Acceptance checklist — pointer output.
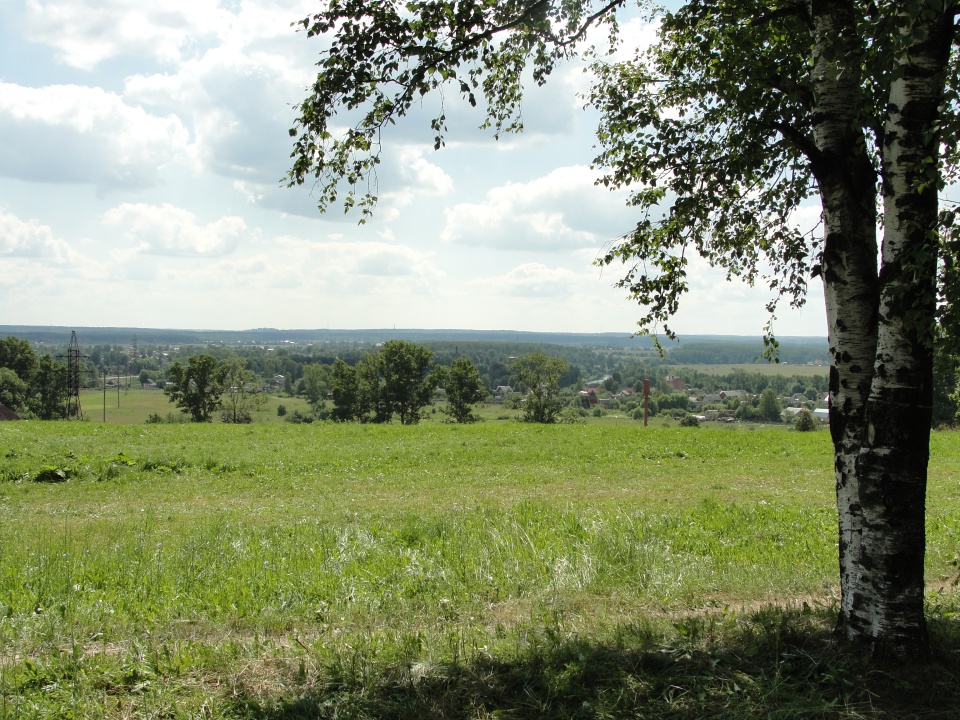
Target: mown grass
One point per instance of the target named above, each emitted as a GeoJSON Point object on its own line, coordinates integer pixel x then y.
{"type": "Point", "coordinates": [439, 571]}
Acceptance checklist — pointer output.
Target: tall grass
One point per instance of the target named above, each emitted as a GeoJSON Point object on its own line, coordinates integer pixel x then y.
{"type": "Point", "coordinates": [303, 571]}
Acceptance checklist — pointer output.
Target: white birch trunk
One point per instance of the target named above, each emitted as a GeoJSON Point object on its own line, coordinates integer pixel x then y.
{"type": "Point", "coordinates": [847, 182]}
{"type": "Point", "coordinates": [892, 467]}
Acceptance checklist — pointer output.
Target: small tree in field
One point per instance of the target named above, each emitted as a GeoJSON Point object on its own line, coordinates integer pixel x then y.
{"type": "Point", "coordinates": [770, 407]}
{"type": "Point", "coordinates": [372, 402]}
{"type": "Point", "coordinates": [689, 421]}
{"type": "Point", "coordinates": [196, 388]}
{"type": "Point", "coordinates": [408, 383]}
{"type": "Point", "coordinates": [345, 388]}
{"type": "Point", "coordinates": [316, 381]}
{"type": "Point", "coordinates": [463, 386]}
{"type": "Point", "coordinates": [541, 376]}
{"type": "Point", "coordinates": [240, 395]}
{"type": "Point", "coordinates": [805, 422]}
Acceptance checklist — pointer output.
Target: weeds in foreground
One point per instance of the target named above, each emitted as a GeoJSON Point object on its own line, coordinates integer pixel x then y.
{"type": "Point", "coordinates": [280, 573]}
{"type": "Point", "coordinates": [769, 663]}
{"type": "Point", "coordinates": [772, 663]}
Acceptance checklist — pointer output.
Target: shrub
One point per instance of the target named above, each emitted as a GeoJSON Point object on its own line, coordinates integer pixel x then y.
{"type": "Point", "coordinates": [689, 421]}
{"type": "Point", "coordinates": [805, 421]}
{"type": "Point", "coordinates": [297, 417]}
{"type": "Point", "coordinates": [572, 416]}
{"type": "Point", "coordinates": [240, 417]}
{"type": "Point", "coordinates": [281, 410]}
{"type": "Point", "coordinates": [154, 419]}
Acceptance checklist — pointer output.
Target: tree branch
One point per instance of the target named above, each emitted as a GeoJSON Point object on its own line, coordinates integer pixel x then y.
{"type": "Point", "coordinates": [590, 20]}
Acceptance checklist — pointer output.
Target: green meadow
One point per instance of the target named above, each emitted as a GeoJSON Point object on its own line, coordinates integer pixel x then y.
{"type": "Point", "coordinates": [497, 570]}
{"type": "Point", "coordinates": [135, 404]}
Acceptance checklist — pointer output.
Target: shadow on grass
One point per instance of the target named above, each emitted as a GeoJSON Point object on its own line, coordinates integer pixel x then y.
{"type": "Point", "coordinates": [771, 664]}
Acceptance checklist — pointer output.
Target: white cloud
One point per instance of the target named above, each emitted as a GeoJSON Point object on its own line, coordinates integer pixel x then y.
{"type": "Point", "coordinates": [74, 134]}
{"type": "Point", "coordinates": [87, 32]}
{"type": "Point", "coordinates": [337, 262]}
{"type": "Point", "coordinates": [168, 230]}
{"type": "Point", "coordinates": [37, 242]}
{"type": "Point", "coordinates": [561, 211]}
{"type": "Point", "coordinates": [239, 106]}
{"type": "Point", "coordinates": [424, 177]}
{"type": "Point", "coordinates": [238, 95]}
{"type": "Point", "coordinates": [412, 176]}
{"type": "Point", "coordinates": [533, 280]}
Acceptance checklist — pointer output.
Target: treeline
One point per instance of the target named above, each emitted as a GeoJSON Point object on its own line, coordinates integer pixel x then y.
{"type": "Point", "coordinates": [32, 385]}
{"type": "Point", "coordinates": [728, 352]}
{"type": "Point", "coordinates": [398, 380]}
{"type": "Point", "coordinates": [308, 371]}
{"type": "Point", "coordinates": [32, 381]}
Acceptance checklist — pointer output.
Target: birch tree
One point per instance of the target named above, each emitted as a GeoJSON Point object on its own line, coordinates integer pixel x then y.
{"type": "Point", "coordinates": [540, 376]}
{"type": "Point", "coordinates": [241, 396]}
{"type": "Point", "coordinates": [741, 111]}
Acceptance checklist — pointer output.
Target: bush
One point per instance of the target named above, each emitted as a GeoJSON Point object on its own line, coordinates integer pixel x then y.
{"type": "Point", "coordinates": [689, 421]}
{"type": "Point", "coordinates": [513, 402]}
{"type": "Point", "coordinates": [281, 410]}
{"type": "Point", "coordinates": [241, 417]}
{"type": "Point", "coordinates": [637, 413]}
{"type": "Point", "coordinates": [154, 419]}
{"type": "Point", "coordinates": [572, 416]}
{"type": "Point", "coordinates": [297, 418]}
{"type": "Point", "coordinates": [805, 421]}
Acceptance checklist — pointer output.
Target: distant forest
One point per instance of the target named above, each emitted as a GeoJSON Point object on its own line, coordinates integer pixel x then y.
{"type": "Point", "coordinates": [688, 350]}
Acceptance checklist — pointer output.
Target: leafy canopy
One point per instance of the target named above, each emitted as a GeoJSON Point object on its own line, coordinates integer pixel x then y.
{"type": "Point", "coordinates": [540, 374]}
{"type": "Point", "coordinates": [384, 56]}
{"type": "Point", "coordinates": [463, 387]}
{"type": "Point", "coordinates": [196, 388]}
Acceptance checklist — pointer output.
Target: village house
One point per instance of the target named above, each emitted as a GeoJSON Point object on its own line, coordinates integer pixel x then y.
{"type": "Point", "coordinates": [674, 381]}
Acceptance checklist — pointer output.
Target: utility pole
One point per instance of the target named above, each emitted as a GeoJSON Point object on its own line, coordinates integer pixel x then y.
{"type": "Point", "coordinates": [72, 408]}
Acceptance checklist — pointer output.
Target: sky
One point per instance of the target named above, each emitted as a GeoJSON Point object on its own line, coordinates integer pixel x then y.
{"type": "Point", "coordinates": [144, 147]}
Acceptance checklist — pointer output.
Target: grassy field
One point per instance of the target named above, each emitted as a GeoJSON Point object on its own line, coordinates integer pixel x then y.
{"type": "Point", "coordinates": [499, 570]}
{"type": "Point", "coordinates": [135, 404]}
